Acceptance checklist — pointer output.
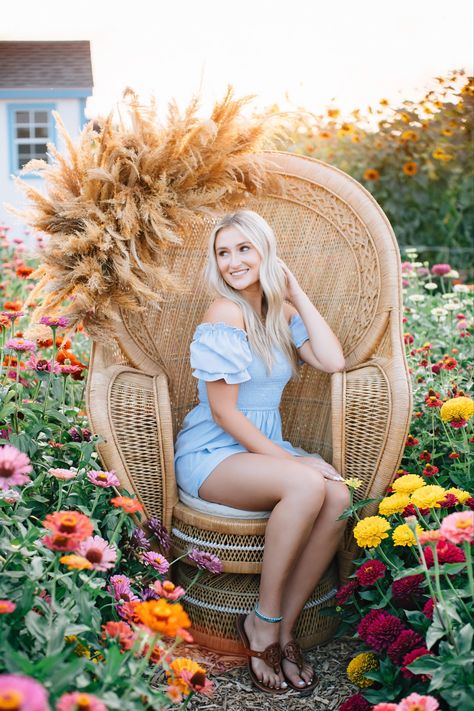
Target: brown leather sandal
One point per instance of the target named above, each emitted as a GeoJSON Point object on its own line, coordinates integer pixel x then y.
{"type": "Point", "coordinates": [292, 652]}
{"type": "Point", "coordinates": [271, 655]}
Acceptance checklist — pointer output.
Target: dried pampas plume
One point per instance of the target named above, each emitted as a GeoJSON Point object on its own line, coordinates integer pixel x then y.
{"type": "Point", "coordinates": [118, 198]}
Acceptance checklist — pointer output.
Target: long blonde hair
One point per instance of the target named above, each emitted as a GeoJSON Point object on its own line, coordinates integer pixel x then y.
{"type": "Point", "coordinates": [275, 332]}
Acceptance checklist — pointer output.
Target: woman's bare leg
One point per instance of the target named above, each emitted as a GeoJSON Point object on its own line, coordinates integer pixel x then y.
{"type": "Point", "coordinates": [310, 567]}
{"type": "Point", "coordinates": [295, 493]}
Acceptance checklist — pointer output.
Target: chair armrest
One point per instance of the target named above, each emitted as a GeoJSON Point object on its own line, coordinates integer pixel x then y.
{"type": "Point", "coordinates": [131, 411]}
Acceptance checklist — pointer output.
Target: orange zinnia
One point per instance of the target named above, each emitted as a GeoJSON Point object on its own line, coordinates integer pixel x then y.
{"type": "Point", "coordinates": [23, 272]}
{"type": "Point", "coordinates": [127, 504]}
{"type": "Point", "coordinates": [75, 562]}
{"type": "Point", "coordinates": [371, 174]}
{"type": "Point", "coordinates": [161, 616]}
{"type": "Point", "coordinates": [410, 168]}
{"type": "Point", "coordinates": [71, 524]}
{"type": "Point", "coordinates": [179, 665]}
{"type": "Point", "coordinates": [12, 306]}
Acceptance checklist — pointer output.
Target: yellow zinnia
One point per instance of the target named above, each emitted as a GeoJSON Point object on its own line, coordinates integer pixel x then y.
{"type": "Point", "coordinates": [428, 497]}
{"type": "Point", "coordinates": [371, 531]}
{"type": "Point", "coordinates": [364, 662]}
{"type": "Point", "coordinates": [461, 495]}
{"type": "Point", "coordinates": [183, 664]}
{"type": "Point", "coordinates": [457, 408]}
{"type": "Point", "coordinates": [393, 504]}
{"type": "Point", "coordinates": [404, 536]}
{"type": "Point", "coordinates": [408, 483]}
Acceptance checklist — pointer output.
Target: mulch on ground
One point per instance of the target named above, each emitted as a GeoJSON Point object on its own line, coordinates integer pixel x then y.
{"type": "Point", "coordinates": [234, 691]}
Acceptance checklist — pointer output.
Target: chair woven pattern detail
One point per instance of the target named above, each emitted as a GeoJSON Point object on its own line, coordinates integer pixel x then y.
{"type": "Point", "coordinates": [215, 601]}
{"type": "Point", "coordinates": [112, 354]}
{"type": "Point", "coordinates": [367, 408]}
{"type": "Point", "coordinates": [135, 426]}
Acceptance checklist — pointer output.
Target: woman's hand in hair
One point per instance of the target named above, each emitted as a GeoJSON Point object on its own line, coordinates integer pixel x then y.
{"type": "Point", "coordinates": [293, 289]}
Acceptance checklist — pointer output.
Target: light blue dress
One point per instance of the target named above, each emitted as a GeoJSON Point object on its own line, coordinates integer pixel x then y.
{"type": "Point", "coordinates": [220, 351]}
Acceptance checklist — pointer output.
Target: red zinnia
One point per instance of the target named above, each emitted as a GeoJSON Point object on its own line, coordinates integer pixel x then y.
{"type": "Point", "coordinates": [447, 553]}
{"type": "Point", "coordinates": [425, 456]}
{"type": "Point", "coordinates": [411, 441]}
{"type": "Point", "coordinates": [406, 642]}
{"type": "Point", "coordinates": [127, 504]}
{"type": "Point", "coordinates": [410, 510]}
{"type": "Point", "coordinates": [345, 592]}
{"type": "Point", "coordinates": [355, 703]}
{"type": "Point", "coordinates": [379, 630]}
{"type": "Point", "coordinates": [428, 608]}
{"type": "Point", "coordinates": [409, 658]}
{"type": "Point", "coordinates": [449, 363]}
{"type": "Point", "coordinates": [430, 470]}
{"type": "Point", "coordinates": [370, 571]}
{"type": "Point", "coordinates": [449, 501]}
{"type": "Point", "coordinates": [406, 590]}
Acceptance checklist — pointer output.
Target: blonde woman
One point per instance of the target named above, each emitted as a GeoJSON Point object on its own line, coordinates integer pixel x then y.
{"type": "Point", "coordinates": [231, 451]}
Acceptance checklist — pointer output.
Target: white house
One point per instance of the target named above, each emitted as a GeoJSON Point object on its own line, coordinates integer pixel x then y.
{"type": "Point", "coordinates": [37, 78]}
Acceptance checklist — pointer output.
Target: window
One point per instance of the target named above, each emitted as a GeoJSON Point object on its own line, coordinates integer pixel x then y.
{"type": "Point", "coordinates": [31, 129]}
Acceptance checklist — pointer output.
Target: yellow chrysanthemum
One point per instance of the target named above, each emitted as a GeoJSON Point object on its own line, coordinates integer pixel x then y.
{"type": "Point", "coordinates": [428, 497]}
{"type": "Point", "coordinates": [354, 483]}
{"type": "Point", "coordinates": [404, 536]}
{"type": "Point", "coordinates": [357, 667]}
{"type": "Point", "coordinates": [461, 495]}
{"type": "Point", "coordinates": [408, 483]}
{"type": "Point", "coordinates": [371, 531]}
{"type": "Point", "coordinates": [393, 504]}
{"type": "Point", "coordinates": [457, 408]}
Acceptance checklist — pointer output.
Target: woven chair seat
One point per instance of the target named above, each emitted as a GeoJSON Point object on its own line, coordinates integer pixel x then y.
{"type": "Point", "coordinates": [207, 507]}
{"type": "Point", "coordinates": [339, 244]}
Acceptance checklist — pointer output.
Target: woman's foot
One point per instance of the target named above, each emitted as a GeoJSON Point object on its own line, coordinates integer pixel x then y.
{"type": "Point", "coordinates": [260, 635]}
{"type": "Point", "coordinates": [291, 669]}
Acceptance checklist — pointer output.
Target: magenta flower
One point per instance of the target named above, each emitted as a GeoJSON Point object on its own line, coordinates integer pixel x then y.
{"type": "Point", "coordinates": [12, 315]}
{"type": "Point", "coordinates": [371, 571]}
{"type": "Point", "coordinates": [20, 345]}
{"type": "Point", "coordinates": [78, 700]}
{"type": "Point", "coordinates": [405, 642]}
{"type": "Point", "coordinates": [407, 590]}
{"type": "Point", "coordinates": [157, 561]}
{"type": "Point", "coordinates": [355, 703]}
{"type": "Point", "coordinates": [167, 589]}
{"type": "Point", "coordinates": [60, 322]}
{"type": "Point", "coordinates": [70, 369]}
{"type": "Point", "coordinates": [379, 629]}
{"type": "Point", "coordinates": [14, 467]}
{"type": "Point", "coordinates": [23, 693]}
{"type": "Point", "coordinates": [103, 479]}
{"type": "Point", "coordinates": [98, 552]}
{"type": "Point", "coordinates": [63, 474]}
{"type": "Point", "coordinates": [440, 269]}
{"type": "Point", "coordinates": [160, 531]}
{"type": "Point", "coordinates": [41, 365]}
{"type": "Point", "coordinates": [206, 561]}
{"type": "Point", "coordinates": [346, 591]}
{"type": "Point", "coordinates": [420, 703]}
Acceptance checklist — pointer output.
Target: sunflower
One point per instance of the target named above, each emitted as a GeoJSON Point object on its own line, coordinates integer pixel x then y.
{"type": "Point", "coordinates": [371, 174]}
{"type": "Point", "coordinates": [410, 168]}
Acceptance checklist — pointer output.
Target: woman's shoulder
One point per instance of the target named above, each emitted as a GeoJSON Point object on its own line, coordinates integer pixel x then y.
{"type": "Point", "coordinates": [224, 311]}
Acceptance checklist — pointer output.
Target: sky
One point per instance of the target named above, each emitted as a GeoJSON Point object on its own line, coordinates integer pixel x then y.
{"type": "Point", "coordinates": [311, 53]}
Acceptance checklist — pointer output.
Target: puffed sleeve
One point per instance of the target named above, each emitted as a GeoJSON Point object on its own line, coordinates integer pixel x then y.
{"type": "Point", "coordinates": [298, 330]}
{"type": "Point", "coordinates": [220, 351]}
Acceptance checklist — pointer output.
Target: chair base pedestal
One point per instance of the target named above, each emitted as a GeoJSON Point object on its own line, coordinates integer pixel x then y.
{"type": "Point", "coordinates": [214, 602]}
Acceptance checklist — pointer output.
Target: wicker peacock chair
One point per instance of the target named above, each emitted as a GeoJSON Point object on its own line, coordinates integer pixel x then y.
{"type": "Point", "coordinates": [338, 242]}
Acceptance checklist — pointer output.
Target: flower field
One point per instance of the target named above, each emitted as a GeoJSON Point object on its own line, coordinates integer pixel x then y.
{"type": "Point", "coordinates": [411, 598]}
{"type": "Point", "coordinates": [88, 617]}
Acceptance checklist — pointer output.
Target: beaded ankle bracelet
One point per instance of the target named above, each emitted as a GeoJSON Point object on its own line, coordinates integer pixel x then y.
{"type": "Point", "coordinates": [265, 618]}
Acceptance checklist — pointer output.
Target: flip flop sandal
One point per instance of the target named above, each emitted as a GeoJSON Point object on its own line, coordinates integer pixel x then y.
{"type": "Point", "coordinates": [292, 652]}
{"type": "Point", "coordinates": [271, 655]}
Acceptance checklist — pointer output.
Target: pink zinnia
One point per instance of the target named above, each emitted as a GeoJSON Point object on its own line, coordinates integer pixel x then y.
{"type": "Point", "coordinates": [64, 474]}
{"type": "Point", "coordinates": [60, 321]}
{"type": "Point", "coordinates": [415, 702]}
{"type": "Point", "coordinates": [384, 706]}
{"type": "Point", "coordinates": [440, 269]}
{"type": "Point", "coordinates": [41, 365]}
{"type": "Point", "coordinates": [7, 606]}
{"type": "Point", "coordinates": [98, 552]}
{"type": "Point", "coordinates": [157, 561]}
{"type": "Point", "coordinates": [371, 571]}
{"type": "Point", "coordinates": [167, 589]}
{"type": "Point", "coordinates": [198, 682]}
{"type": "Point", "coordinates": [14, 467]}
{"type": "Point", "coordinates": [79, 700]}
{"type": "Point", "coordinates": [206, 561]}
{"type": "Point", "coordinates": [22, 693]}
{"type": "Point", "coordinates": [60, 542]}
{"type": "Point", "coordinates": [458, 527]}
{"type": "Point", "coordinates": [20, 345]}
{"type": "Point", "coordinates": [104, 479]}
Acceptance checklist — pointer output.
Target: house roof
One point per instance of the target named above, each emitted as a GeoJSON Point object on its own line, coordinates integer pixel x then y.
{"type": "Point", "coordinates": [25, 65]}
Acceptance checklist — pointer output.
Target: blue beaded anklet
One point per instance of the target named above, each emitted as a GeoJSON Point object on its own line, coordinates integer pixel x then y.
{"type": "Point", "coordinates": [265, 618]}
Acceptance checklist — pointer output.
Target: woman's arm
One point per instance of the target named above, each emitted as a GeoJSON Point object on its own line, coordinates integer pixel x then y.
{"type": "Point", "coordinates": [223, 403]}
{"type": "Point", "coordinates": [323, 351]}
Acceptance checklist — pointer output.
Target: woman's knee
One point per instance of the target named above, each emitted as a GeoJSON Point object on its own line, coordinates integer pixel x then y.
{"type": "Point", "coordinates": [306, 484]}
{"type": "Point", "coordinates": [337, 496]}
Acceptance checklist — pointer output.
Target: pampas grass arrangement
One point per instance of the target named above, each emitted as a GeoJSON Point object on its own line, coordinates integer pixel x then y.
{"type": "Point", "coordinates": [120, 196]}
